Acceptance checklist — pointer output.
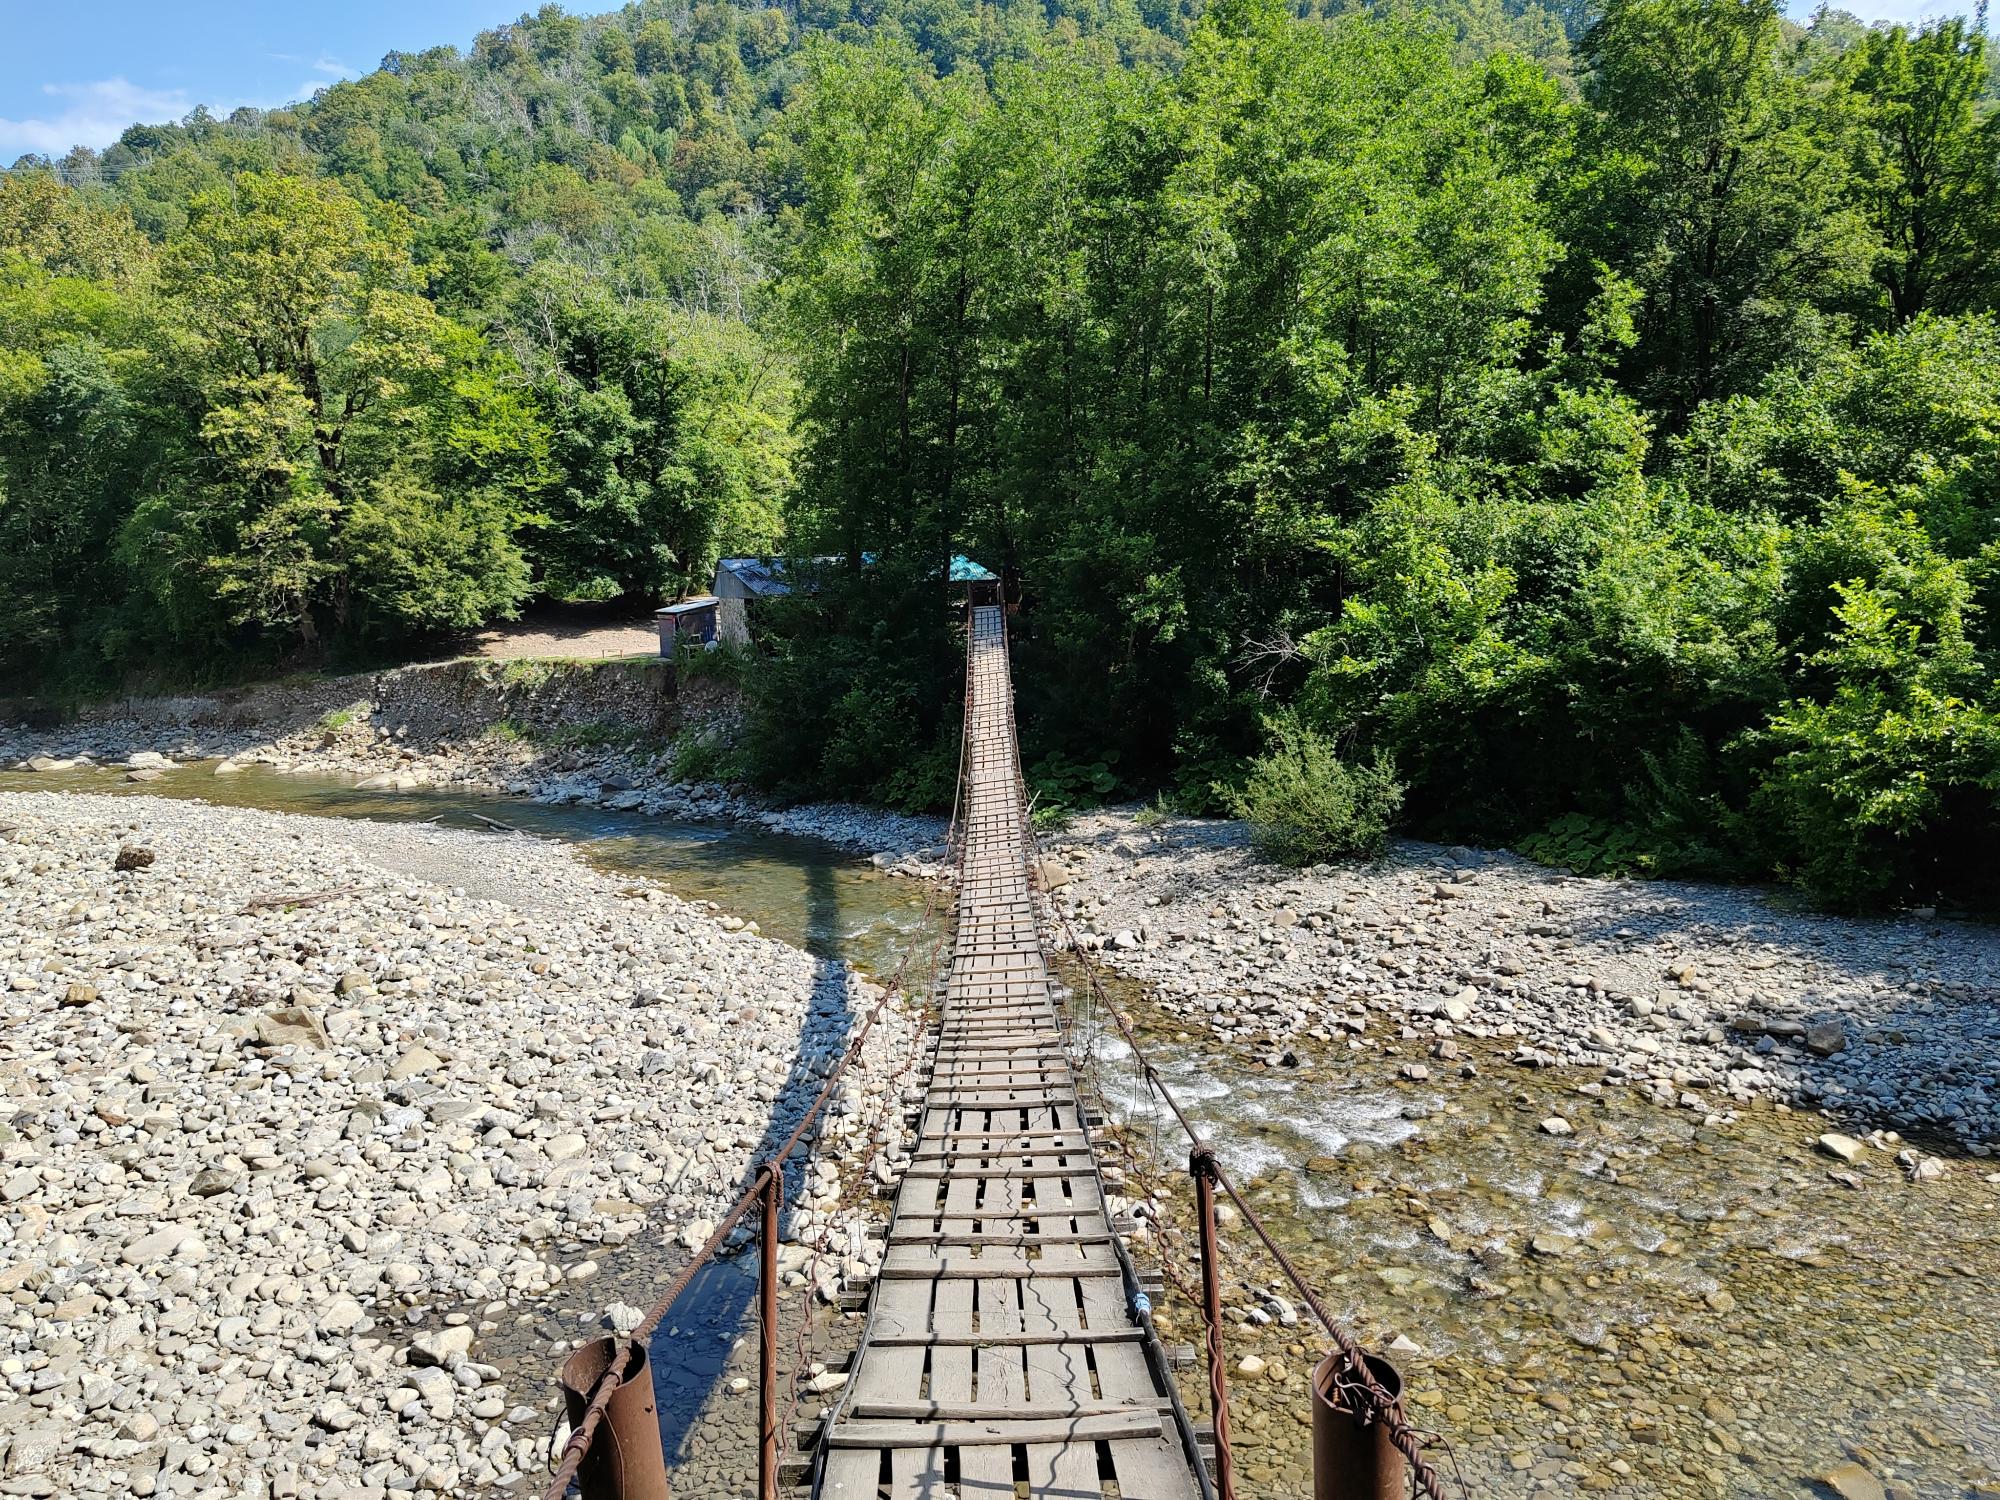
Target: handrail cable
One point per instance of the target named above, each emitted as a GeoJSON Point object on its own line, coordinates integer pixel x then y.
{"type": "Point", "coordinates": [585, 1432]}
{"type": "Point", "coordinates": [1358, 1383]}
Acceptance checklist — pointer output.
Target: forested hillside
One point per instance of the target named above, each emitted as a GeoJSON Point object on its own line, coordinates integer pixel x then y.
{"type": "Point", "coordinates": [1577, 428]}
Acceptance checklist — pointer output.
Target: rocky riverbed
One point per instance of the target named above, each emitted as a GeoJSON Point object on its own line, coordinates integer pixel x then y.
{"type": "Point", "coordinates": [309, 1122]}
{"type": "Point", "coordinates": [1703, 996]}
{"type": "Point", "coordinates": [1652, 1190]}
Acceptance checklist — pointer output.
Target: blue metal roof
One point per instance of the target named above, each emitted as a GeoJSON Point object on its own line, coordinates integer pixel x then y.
{"type": "Point", "coordinates": [767, 576]}
{"type": "Point", "coordinates": [755, 574]}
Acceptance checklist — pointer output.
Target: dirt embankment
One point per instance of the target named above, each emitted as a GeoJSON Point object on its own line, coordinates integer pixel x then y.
{"type": "Point", "coordinates": [446, 700]}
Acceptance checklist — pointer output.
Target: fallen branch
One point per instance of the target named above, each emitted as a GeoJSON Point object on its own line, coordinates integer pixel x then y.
{"type": "Point", "coordinates": [317, 898]}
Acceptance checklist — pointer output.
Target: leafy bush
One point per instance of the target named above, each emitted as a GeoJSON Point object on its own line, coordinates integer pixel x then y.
{"type": "Point", "coordinates": [1062, 785]}
{"type": "Point", "coordinates": [702, 755]}
{"type": "Point", "coordinates": [726, 661]}
{"type": "Point", "coordinates": [1886, 790]}
{"type": "Point", "coordinates": [855, 692]}
{"type": "Point", "coordinates": [1306, 806]}
{"type": "Point", "coordinates": [925, 781]}
{"type": "Point", "coordinates": [1590, 846]}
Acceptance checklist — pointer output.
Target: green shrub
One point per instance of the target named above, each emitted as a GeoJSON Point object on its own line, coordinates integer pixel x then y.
{"type": "Point", "coordinates": [925, 781]}
{"type": "Point", "coordinates": [1061, 784]}
{"type": "Point", "coordinates": [1306, 806]}
{"type": "Point", "coordinates": [1885, 791]}
{"type": "Point", "coordinates": [728, 661]}
{"type": "Point", "coordinates": [703, 755]}
{"type": "Point", "coordinates": [340, 718]}
{"type": "Point", "coordinates": [1589, 846]}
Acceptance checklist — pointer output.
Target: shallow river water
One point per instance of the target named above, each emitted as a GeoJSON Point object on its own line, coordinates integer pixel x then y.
{"type": "Point", "coordinates": [1651, 1306]}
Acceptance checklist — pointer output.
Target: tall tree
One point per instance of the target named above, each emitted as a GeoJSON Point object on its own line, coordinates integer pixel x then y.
{"type": "Point", "coordinates": [1928, 169]}
{"type": "Point", "coordinates": [364, 462]}
{"type": "Point", "coordinates": [1713, 184]}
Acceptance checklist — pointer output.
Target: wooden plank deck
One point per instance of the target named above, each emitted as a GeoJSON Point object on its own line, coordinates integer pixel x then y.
{"type": "Point", "coordinates": [1002, 1357]}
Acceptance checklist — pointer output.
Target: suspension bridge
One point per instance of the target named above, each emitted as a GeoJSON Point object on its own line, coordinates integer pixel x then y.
{"type": "Point", "coordinates": [1008, 1351]}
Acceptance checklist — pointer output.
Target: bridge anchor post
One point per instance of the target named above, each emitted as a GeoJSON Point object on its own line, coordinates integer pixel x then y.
{"type": "Point", "coordinates": [1353, 1456]}
{"type": "Point", "coordinates": [1201, 1166]}
{"type": "Point", "coordinates": [767, 1337]}
{"type": "Point", "coordinates": [627, 1462]}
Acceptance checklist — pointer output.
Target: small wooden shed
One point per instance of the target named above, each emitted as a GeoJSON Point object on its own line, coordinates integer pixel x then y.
{"type": "Point", "coordinates": [690, 621]}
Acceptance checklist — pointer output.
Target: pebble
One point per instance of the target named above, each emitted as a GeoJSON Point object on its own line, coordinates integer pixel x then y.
{"type": "Point", "coordinates": [1706, 997]}
{"type": "Point", "coordinates": [279, 1139]}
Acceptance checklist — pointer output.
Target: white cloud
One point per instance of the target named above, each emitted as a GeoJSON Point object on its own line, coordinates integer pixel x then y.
{"type": "Point", "coordinates": [326, 70]}
{"type": "Point", "coordinates": [96, 114]}
{"type": "Point", "coordinates": [90, 114]}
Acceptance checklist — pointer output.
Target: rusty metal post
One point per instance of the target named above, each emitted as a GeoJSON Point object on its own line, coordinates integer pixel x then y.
{"type": "Point", "coordinates": [627, 1461]}
{"type": "Point", "coordinates": [1353, 1457]}
{"type": "Point", "coordinates": [1201, 1166]}
{"type": "Point", "coordinates": [767, 1340]}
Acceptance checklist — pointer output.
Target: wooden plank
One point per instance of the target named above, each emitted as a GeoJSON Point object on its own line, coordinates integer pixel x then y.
{"type": "Point", "coordinates": [1011, 1173]}
{"type": "Point", "coordinates": [917, 1474]}
{"type": "Point", "coordinates": [989, 1430]}
{"type": "Point", "coordinates": [908, 1236]}
{"type": "Point", "coordinates": [1122, 1371]}
{"type": "Point", "coordinates": [986, 1339]}
{"type": "Point", "coordinates": [986, 1473]}
{"type": "Point", "coordinates": [1017, 1411]}
{"type": "Point", "coordinates": [951, 1364]}
{"type": "Point", "coordinates": [1003, 1370]}
{"type": "Point", "coordinates": [999, 1336]}
{"type": "Point", "coordinates": [896, 1372]}
{"type": "Point", "coordinates": [852, 1474]}
{"type": "Point", "coordinates": [1150, 1469]}
{"type": "Point", "coordinates": [1066, 1470]}
{"type": "Point", "coordinates": [972, 1270]}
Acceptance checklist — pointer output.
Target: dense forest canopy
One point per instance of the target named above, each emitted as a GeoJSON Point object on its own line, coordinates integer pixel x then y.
{"type": "Point", "coordinates": [1585, 419]}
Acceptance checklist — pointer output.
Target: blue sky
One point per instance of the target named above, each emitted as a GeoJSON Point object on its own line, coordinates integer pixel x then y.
{"type": "Point", "coordinates": [77, 72]}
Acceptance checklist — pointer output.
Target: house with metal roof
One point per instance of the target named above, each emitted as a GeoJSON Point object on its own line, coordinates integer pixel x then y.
{"type": "Point", "coordinates": [740, 580]}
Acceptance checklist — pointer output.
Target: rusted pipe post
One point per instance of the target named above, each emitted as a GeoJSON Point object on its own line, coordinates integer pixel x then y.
{"type": "Point", "coordinates": [627, 1461]}
{"type": "Point", "coordinates": [1354, 1457]}
{"type": "Point", "coordinates": [767, 1341]}
{"type": "Point", "coordinates": [1201, 1166]}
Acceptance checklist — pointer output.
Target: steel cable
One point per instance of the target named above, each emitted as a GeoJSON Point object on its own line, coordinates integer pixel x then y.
{"type": "Point", "coordinates": [1368, 1398]}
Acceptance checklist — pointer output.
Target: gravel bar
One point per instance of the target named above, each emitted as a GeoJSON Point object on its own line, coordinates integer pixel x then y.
{"type": "Point", "coordinates": [297, 1110]}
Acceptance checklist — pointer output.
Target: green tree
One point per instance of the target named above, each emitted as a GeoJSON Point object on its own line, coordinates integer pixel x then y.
{"type": "Point", "coordinates": [1926, 171]}
{"type": "Point", "coordinates": [1713, 179]}
{"type": "Point", "coordinates": [669, 440]}
{"type": "Point", "coordinates": [343, 423]}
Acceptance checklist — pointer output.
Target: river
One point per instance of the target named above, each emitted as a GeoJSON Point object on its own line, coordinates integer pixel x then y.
{"type": "Point", "coordinates": [1652, 1306]}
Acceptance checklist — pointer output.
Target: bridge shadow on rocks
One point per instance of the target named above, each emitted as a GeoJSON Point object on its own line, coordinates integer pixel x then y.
{"type": "Point", "coordinates": [708, 1338]}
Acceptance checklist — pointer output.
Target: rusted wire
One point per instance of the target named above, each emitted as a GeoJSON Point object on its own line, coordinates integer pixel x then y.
{"type": "Point", "coordinates": [585, 1432]}
{"type": "Point", "coordinates": [1366, 1395]}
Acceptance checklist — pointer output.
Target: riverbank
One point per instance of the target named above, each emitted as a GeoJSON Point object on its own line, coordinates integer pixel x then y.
{"type": "Point", "coordinates": [1704, 997]}
{"type": "Point", "coordinates": [599, 734]}
{"type": "Point", "coordinates": [1650, 1190]}
{"type": "Point", "coordinates": [306, 1115]}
